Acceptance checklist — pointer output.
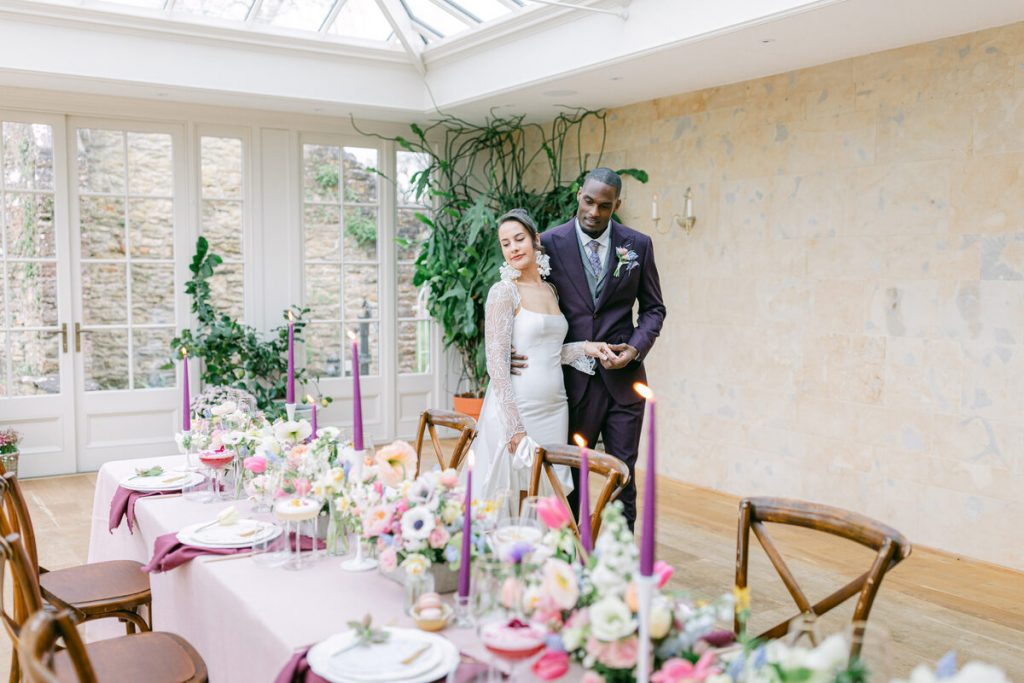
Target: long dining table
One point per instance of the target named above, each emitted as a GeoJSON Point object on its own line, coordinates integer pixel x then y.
{"type": "Point", "coordinates": [245, 619]}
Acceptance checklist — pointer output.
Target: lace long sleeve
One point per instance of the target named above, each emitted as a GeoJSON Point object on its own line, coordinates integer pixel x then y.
{"type": "Point", "coordinates": [572, 354]}
{"type": "Point", "coordinates": [499, 316]}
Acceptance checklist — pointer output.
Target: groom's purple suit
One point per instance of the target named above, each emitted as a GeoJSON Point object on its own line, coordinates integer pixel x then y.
{"type": "Point", "coordinates": [605, 404]}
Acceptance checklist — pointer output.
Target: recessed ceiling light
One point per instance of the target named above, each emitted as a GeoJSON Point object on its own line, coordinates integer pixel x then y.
{"type": "Point", "coordinates": [161, 94]}
{"type": "Point", "coordinates": [559, 93]}
{"type": "Point", "coordinates": [615, 78]}
{"type": "Point", "coordinates": [766, 41]}
{"type": "Point", "coordinates": [318, 109]}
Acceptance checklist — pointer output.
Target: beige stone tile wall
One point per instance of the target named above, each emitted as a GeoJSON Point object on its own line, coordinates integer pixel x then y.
{"type": "Point", "coordinates": [846, 324]}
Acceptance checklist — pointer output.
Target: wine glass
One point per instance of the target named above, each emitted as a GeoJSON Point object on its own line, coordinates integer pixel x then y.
{"type": "Point", "coordinates": [528, 510]}
{"type": "Point", "coordinates": [869, 644]}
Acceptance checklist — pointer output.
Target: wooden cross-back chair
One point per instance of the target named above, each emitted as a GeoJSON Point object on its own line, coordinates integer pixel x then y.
{"type": "Point", "coordinates": [890, 546]}
{"type": "Point", "coordinates": [100, 590]}
{"type": "Point", "coordinates": [614, 471]}
{"type": "Point", "coordinates": [433, 418]}
{"type": "Point", "coordinates": [149, 656]}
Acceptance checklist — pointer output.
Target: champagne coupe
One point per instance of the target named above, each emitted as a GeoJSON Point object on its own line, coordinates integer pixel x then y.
{"type": "Point", "coordinates": [217, 462]}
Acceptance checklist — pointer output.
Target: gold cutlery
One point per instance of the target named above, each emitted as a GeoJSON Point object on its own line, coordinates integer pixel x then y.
{"type": "Point", "coordinates": [415, 655]}
{"type": "Point", "coordinates": [222, 558]}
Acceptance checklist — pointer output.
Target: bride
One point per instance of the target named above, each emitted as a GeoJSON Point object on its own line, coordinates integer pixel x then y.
{"type": "Point", "coordinates": [527, 409]}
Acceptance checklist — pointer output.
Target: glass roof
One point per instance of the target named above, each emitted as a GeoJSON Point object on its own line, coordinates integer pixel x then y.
{"type": "Point", "coordinates": [431, 20]}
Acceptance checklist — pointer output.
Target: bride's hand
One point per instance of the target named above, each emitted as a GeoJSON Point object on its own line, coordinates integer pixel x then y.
{"type": "Point", "coordinates": [598, 350]}
{"type": "Point", "coordinates": [513, 444]}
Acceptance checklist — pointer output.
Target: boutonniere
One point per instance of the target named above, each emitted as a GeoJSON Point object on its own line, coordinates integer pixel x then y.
{"type": "Point", "coordinates": [626, 257]}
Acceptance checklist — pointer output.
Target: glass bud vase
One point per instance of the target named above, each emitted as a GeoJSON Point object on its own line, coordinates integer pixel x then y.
{"type": "Point", "coordinates": [416, 585]}
{"type": "Point", "coordinates": [337, 533]}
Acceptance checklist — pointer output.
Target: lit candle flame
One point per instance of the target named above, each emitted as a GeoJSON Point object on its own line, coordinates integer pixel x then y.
{"type": "Point", "coordinates": [184, 352]}
{"type": "Point", "coordinates": [644, 391]}
{"type": "Point", "coordinates": [309, 398]}
{"type": "Point", "coordinates": [580, 441]}
{"type": "Point", "coordinates": [471, 458]}
{"type": "Point", "coordinates": [291, 317]}
{"type": "Point", "coordinates": [351, 335]}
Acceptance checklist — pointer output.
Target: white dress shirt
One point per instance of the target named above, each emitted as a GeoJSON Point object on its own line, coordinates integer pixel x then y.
{"type": "Point", "coordinates": [602, 241]}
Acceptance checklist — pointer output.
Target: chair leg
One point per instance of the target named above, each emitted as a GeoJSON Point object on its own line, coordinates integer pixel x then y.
{"type": "Point", "coordinates": [129, 627]}
{"type": "Point", "coordinates": [15, 676]}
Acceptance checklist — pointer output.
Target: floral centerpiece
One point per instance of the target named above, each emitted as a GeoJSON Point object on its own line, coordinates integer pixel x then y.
{"type": "Point", "coordinates": [946, 671]}
{"type": "Point", "coordinates": [9, 449]}
{"type": "Point", "coordinates": [591, 612]}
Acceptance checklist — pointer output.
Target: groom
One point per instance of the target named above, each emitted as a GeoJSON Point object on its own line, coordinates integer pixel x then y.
{"type": "Point", "coordinates": [601, 269]}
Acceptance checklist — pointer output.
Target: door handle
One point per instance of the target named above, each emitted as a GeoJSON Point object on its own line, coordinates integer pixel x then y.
{"type": "Point", "coordinates": [64, 337]}
{"type": "Point", "coordinates": [78, 337]}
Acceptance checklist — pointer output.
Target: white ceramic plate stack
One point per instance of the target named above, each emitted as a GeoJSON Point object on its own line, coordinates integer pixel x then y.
{"type": "Point", "coordinates": [339, 659]}
{"type": "Point", "coordinates": [168, 481]}
{"type": "Point", "coordinates": [242, 534]}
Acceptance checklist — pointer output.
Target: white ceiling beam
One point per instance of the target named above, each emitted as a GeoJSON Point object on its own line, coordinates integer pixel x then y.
{"type": "Point", "coordinates": [622, 14]}
{"type": "Point", "coordinates": [325, 25]}
{"type": "Point", "coordinates": [514, 6]}
{"type": "Point", "coordinates": [404, 31]}
{"type": "Point", "coordinates": [254, 9]}
{"type": "Point", "coordinates": [461, 16]}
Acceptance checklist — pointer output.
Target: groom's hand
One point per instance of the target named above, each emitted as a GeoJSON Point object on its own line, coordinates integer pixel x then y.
{"type": "Point", "coordinates": [517, 363]}
{"type": "Point", "coordinates": [624, 355]}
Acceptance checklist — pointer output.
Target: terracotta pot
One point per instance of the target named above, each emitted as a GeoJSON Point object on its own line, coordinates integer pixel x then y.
{"type": "Point", "coordinates": [469, 405]}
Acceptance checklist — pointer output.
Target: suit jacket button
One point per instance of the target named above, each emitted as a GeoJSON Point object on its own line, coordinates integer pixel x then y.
{"type": "Point", "coordinates": [595, 314]}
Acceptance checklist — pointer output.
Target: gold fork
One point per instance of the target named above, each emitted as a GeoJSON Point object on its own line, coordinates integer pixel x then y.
{"type": "Point", "coordinates": [415, 655]}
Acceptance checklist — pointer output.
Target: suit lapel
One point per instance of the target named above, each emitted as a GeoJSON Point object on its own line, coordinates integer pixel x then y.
{"type": "Point", "coordinates": [611, 282]}
{"type": "Point", "coordinates": [568, 253]}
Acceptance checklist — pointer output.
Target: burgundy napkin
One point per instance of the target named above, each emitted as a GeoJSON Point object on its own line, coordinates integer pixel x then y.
{"type": "Point", "coordinates": [122, 506]}
{"type": "Point", "coordinates": [169, 552]}
{"type": "Point", "coordinates": [297, 670]}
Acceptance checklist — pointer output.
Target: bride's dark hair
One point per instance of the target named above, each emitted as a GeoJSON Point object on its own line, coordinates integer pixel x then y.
{"type": "Point", "coordinates": [523, 218]}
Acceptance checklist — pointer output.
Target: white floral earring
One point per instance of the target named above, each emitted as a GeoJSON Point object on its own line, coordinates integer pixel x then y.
{"type": "Point", "coordinates": [508, 273]}
{"type": "Point", "coordinates": [543, 263]}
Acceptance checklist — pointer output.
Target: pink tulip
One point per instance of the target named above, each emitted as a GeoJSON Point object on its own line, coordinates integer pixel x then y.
{"type": "Point", "coordinates": [682, 671]}
{"type": "Point", "coordinates": [256, 464]}
{"type": "Point", "coordinates": [551, 665]}
{"type": "Point", "coordinates": [663, 570]}
{"type": "Point", "coordinates": [553, 513]}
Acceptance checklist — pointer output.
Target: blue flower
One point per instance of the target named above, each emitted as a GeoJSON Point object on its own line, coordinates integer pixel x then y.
{"type": "Point", "coordinates": [946, 667]}
{"type": "Point", "coordinates": [760, 657]}
{"type": "Point", "coordinates": [736, 668]}
{"type": "Point", "coordinates": [554, 642]}
{"type": "Point", "coordinates": [451, 554]}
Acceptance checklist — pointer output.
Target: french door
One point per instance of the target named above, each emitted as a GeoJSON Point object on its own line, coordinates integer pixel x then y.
{"type": "Point", "coordinates": [37, 386]}
{"type": "Point", "coordinates": [128, 213]}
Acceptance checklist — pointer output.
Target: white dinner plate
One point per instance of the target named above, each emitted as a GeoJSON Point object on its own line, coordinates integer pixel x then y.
{"type": "Point", "coordinates": [168, 481]}
{"type": "Point", "coordinates": [382, 662]}
{"type": "Point", "coordinates": [240, 535]}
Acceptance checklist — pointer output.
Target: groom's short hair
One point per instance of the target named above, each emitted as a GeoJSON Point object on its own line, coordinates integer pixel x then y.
{"type": "Point", "coordinates": [605, 176]}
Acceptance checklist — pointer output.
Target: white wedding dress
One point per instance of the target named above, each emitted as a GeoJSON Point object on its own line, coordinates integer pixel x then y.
{"type": "Point", "coordinates": [533, 402]}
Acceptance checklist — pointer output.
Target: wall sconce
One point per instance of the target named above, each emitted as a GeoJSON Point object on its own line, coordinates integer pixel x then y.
{"type": "Point", "coordinates": [687, 221]}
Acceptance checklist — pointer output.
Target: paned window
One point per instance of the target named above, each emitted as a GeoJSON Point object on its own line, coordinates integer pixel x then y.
{"type": "Point", "coordinates": [222, 220]}
{"type": "Point", "coordinates": [414, 324]}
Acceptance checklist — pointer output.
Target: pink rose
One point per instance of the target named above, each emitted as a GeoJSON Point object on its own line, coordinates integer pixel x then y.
{"type": "Point", "coordinates": [620, 654]}
{"type": "Point", "coordinates": [387, 560]}
{"type": "Point", "coordinates": [438, 537]}
{"type": "Point", "coordinates": [551, 665]}
{"type": "Point", "coordinates": [553, 512]}
{"type": "Point", "coordinates": [449, 478]}
{"type": "Point", "coordinates": [682, 671]}
{"type": "Point", "coordinates": [591, 677]}
{"type": "Point", "coordinates": [663, 570]}
{"type": "Point", "coordinates": [256, 464]}
{"type": "Point", "coordinates": [377, 520]}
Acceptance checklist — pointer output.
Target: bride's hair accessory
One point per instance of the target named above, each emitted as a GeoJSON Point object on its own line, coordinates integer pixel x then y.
{"type": "Point", "coordinates": [543, 263]}
{"type": "Point", "coordinates": [508, 273]}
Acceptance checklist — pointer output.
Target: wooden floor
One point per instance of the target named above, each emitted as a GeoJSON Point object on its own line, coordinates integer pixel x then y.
{"type": "Point", "coordinates": [931, 603]}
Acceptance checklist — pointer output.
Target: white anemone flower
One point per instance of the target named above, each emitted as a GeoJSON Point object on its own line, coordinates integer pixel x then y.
{"type": "Point", "coordinates": [292, 430]}
{"type": "Point", "coordinates": [225, 408]}
{"type": "Point", "coordinates": [417, 523]}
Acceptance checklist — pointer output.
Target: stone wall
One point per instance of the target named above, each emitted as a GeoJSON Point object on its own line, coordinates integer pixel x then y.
{"type": "Point", "coordinates": [845, 324]}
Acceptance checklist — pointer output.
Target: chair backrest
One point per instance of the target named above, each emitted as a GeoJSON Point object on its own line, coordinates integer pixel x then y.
{"type": "Point", "coordinates": [38, 641]}
{"type": "Point", "coordinates": [27, 598]}
{"type": "Point", "coordinates": [433, 418]}
{"type": "Point", "coordinates": [615, 472]}
{"type": "Point", "coordinates": [15, 517]}
{"type": "Point", "coordinates": [890, 546]}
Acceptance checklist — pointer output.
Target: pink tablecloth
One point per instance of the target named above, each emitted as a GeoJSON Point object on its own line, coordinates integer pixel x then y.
{"type": "Point", "coordinates": [246, 620]}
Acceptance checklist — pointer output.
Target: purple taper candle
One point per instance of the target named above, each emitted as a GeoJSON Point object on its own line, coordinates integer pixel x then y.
{"type": "Point", "coordinates": [647, 530]}
{"type": "Point", "coordinates": [289, 396]}
{"type": "Point", "coordinates": [186, 403]}
{"type": "Point", "coordinates": [467, 529]}
{"type": "Point", "coordinates": [584, 516]}
{"type": "Point", "coordinates": [309, 398]}
{"type": "Point", "coordinates": [357, 398]}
